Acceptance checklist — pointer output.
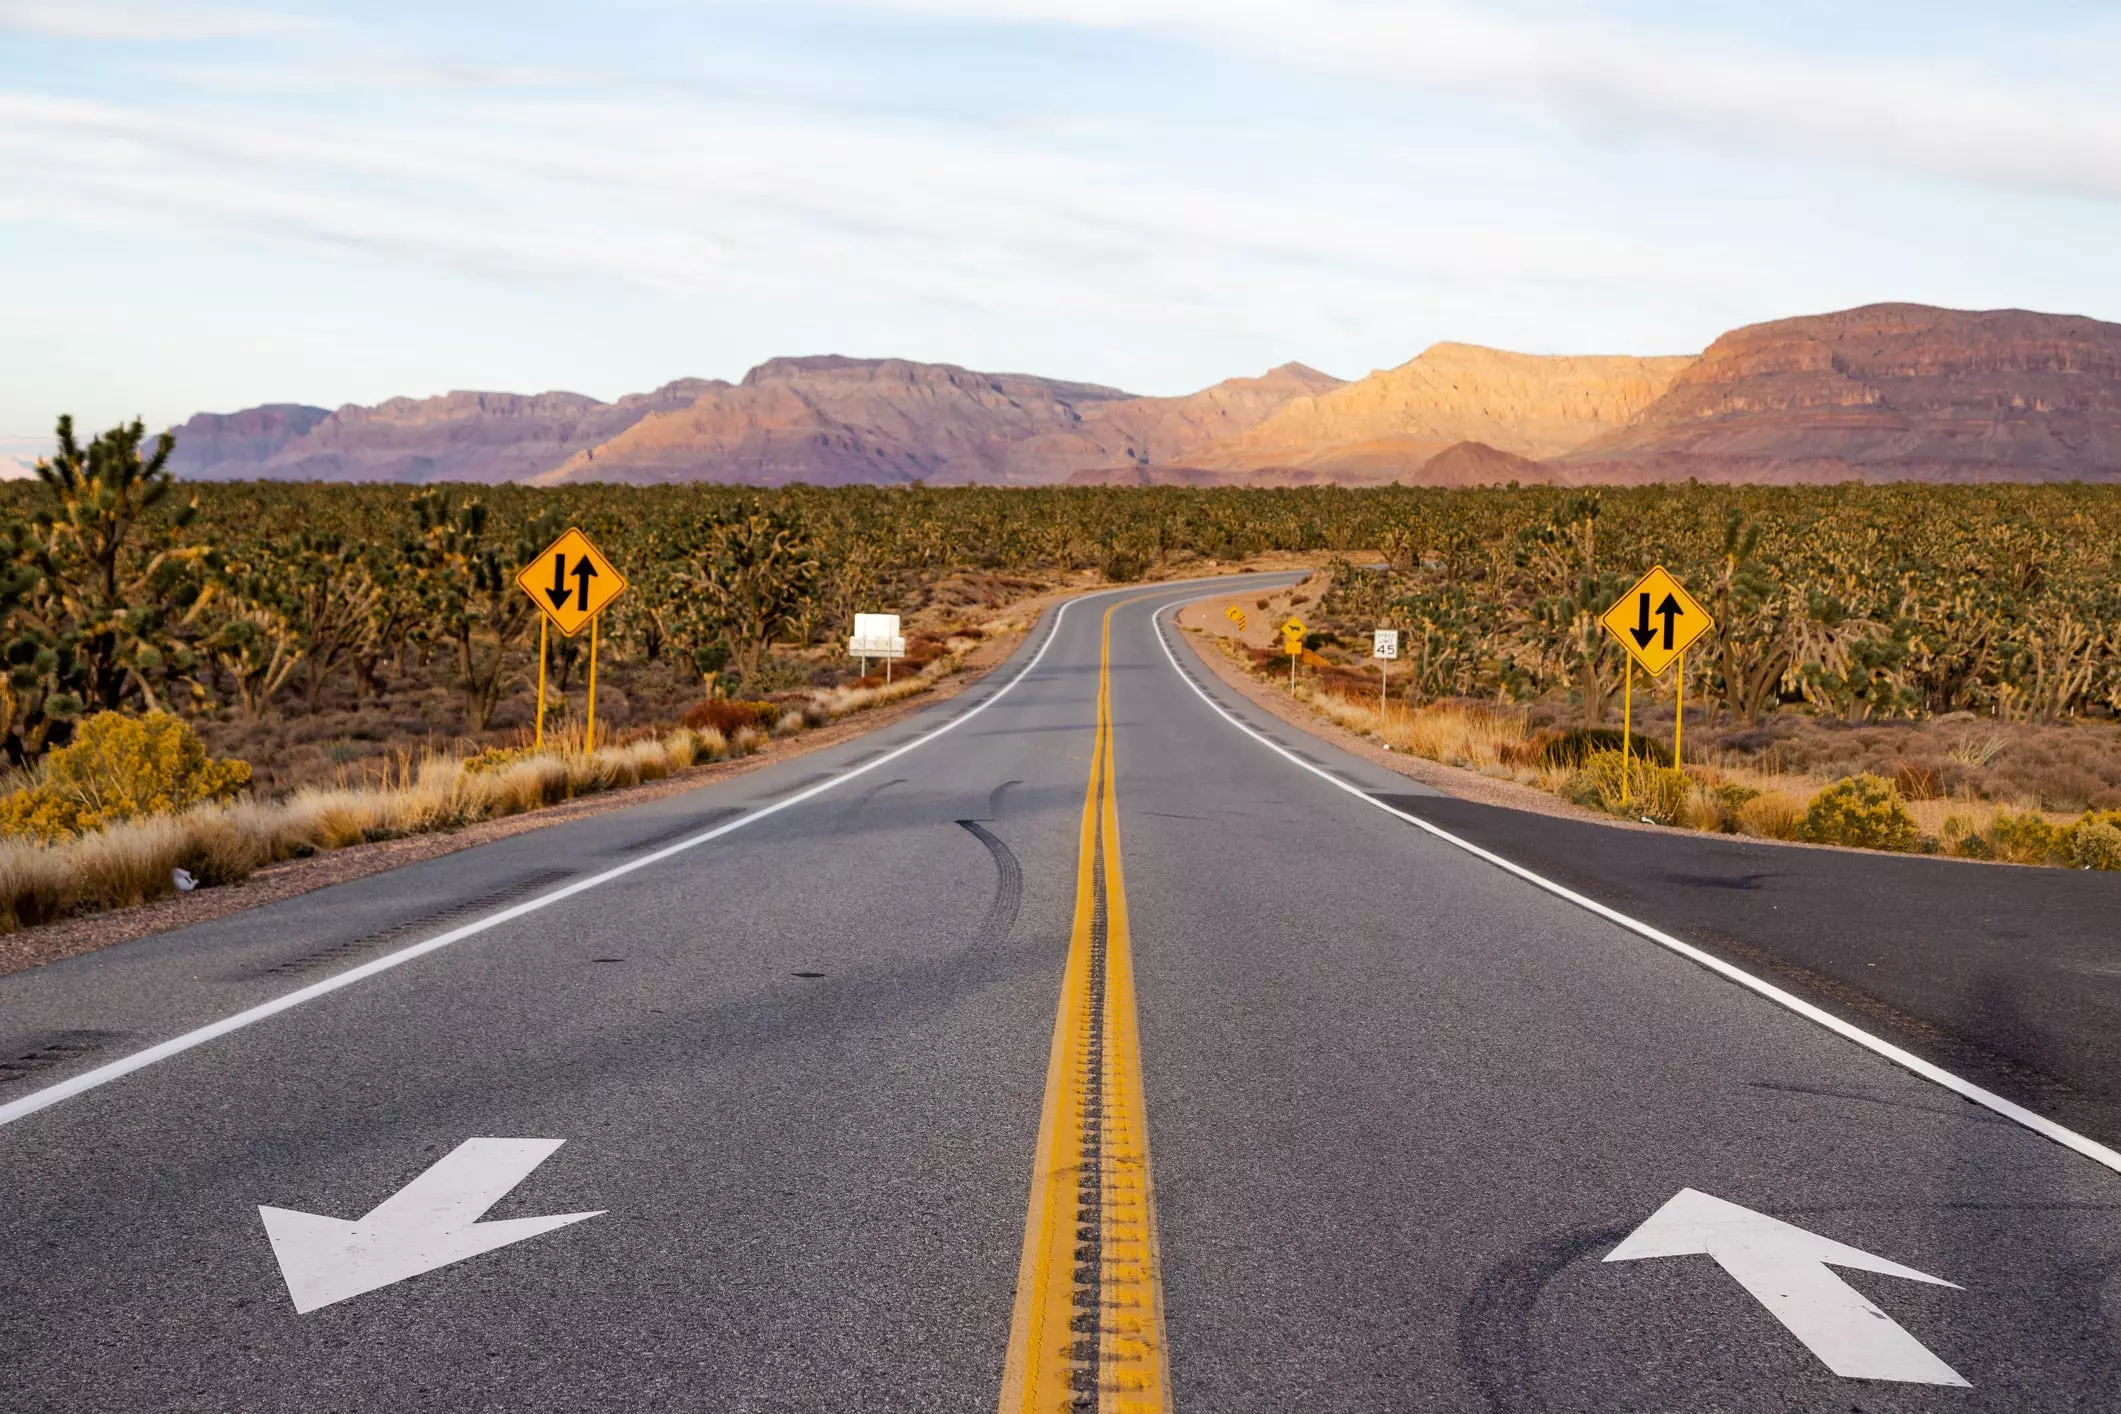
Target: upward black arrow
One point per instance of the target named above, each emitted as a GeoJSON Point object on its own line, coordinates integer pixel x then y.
{"type": "Point", "coordinates": [559, 591]}
{"type": "Point", "coordinates": [585, 571]}
{"type": "Point", "coordinates": [1669, 611]}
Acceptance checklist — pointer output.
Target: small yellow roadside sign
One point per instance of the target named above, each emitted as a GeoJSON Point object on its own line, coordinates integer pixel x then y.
{"type": "Point", "coordinates": [1292, 633]}
{"type": "Point", "coordinates": [571, 582]}
{"type": "Point", "coordinates": [1236, 616]}
{"type": "Point", "coordinates": [1656, 620]}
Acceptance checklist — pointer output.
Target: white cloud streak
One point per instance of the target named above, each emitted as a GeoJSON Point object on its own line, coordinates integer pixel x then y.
{"type": "Point", "coordinates": [141, 21]}
{"type": "Point", "coordinates": [1959, 122]}
{"type": "Point", "coordinates": [693, 199]}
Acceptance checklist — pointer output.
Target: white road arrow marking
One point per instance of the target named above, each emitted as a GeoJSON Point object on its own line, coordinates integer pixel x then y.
{"type": "Point", "coordinates": [1785, 1269]}
{"type": "Point", "coordinates": [430, 1222]}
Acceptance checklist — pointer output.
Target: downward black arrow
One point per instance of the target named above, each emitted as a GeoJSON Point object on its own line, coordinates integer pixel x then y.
{"type": "Point", "coordinates": [1643, 633]}
{"type": "Point", "coordinates": [559, 591]}
{"type": "Point", "coordinates": [585, 571]}
{"type": "Point", "coordinates": [1669, 611]}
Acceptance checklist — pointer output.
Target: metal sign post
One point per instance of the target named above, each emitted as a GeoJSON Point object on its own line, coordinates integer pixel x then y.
{"type": "Point", "coordinates": [589, 742]}
{"type": "Point", "coordinates": [544, 629]}
{"type": "Point", "coordinates": [1292, 638]}
{"type": "Point", "coordinates": [1384, 647]}
{"type": "Point", "coordinates": [572, 584]}
{"type": "Point", "coordinates": [876, 636]}
{"type": "Point", "coordinates": [1655, 622]}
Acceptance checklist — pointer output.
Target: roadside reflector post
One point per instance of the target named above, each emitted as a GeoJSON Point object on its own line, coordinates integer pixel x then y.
{"type": "Point", "coordinates": [544, 629]}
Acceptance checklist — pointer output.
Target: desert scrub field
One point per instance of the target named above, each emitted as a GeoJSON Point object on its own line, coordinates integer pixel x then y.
{"type": "Point", "coordinates": [1961, 644]}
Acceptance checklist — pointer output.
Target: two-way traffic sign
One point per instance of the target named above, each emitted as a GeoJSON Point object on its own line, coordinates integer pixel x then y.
{"type": "Point", "coordinates": [1656, 620]}
{"type": "Point", "coordinates": [571, 582]}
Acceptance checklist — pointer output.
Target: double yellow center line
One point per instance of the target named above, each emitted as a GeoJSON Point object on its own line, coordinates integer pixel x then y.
{"type": "Point", "coordinates": [1088, 1329]}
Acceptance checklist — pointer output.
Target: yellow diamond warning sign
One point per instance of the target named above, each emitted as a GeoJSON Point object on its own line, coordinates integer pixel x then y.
{"type": "Point", "coordinates": [571, 582]}
{"type": "Point", "coordinates": [1656, 620]}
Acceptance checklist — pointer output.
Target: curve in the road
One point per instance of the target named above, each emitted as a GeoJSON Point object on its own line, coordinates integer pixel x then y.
{"type": "Point", "coordinates": [2070, 1139]}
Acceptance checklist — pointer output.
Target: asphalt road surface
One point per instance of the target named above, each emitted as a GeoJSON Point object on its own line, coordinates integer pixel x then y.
{"type": "Point", "coordinates": [841, 1085]}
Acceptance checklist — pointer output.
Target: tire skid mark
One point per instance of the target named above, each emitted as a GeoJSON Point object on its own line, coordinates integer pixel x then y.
{"type": "Point", "coordinates": [1008, 898]}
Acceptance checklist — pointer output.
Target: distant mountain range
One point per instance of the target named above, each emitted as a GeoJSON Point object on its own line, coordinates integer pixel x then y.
{"type": "Point", "coordinates": [1886, 392]}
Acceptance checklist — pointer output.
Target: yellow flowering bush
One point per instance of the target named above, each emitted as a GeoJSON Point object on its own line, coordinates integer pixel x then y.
{"type": "Point", "coordinates": [1862, 811]}
{"type": "Point", "coordinates": [116, 768]}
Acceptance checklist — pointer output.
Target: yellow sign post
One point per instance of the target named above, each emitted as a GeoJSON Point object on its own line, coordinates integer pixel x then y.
{"type": "Point", "coordinates": [1292, 639]}
{"type": "Point", "coordinates": [571, 583]}
{"type": "Point", "coordinates": [1654, 622]}
{"type": "Point", "coordinates": [1236, 616]}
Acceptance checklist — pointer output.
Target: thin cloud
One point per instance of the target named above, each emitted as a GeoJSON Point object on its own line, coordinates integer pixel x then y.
{"type": "Point", "coordinates": [1954, 121]}
{"type": "Point", "coordinates": [140, 21]}
{"type": "Point", "coordinates": [694, 199]}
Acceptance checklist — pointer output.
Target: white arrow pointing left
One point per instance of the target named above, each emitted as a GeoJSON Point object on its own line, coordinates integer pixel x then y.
{"type": "Point", "coordinates": [1785, 1269]}
{"type": "Point", "coordinates": [430, 1222]}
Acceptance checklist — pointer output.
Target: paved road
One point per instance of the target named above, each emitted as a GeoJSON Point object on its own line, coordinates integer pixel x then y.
{"type": "Point", "coordinates": [2008, 974]}
{"type": "Point", "coordinates": [853, 1087]}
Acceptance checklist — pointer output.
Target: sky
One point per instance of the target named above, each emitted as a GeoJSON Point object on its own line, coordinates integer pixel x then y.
{"type": "Point", "coordinates": [206, 206]}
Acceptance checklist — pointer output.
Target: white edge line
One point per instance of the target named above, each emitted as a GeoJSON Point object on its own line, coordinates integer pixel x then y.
{"type": "Point", "coordinates": [140, 1060]}
{"type": "Point", "coordinates": [2046, 1128]}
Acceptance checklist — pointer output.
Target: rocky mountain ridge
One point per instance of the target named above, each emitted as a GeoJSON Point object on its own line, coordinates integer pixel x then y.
{"type": "Point", "coordinates": [1885, 392]}
{"type": "Point", "coordinates": [1893, 392]}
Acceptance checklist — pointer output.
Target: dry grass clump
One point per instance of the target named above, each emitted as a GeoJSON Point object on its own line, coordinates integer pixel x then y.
{"type": "Point", "coordinates": [1472, 735]}
{"type": "Point", "coordinates": [135, 861]}
{"type": "Point", "coordinates": [1772, 815]}
{"type": "Point", "coordinates": [860, 697]}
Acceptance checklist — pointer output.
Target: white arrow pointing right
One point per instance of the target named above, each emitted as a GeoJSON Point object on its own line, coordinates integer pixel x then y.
{"type": "Point", "coordinates": [430, 1222]}
{"type": "Point", "coordinates": [1785, 1269]}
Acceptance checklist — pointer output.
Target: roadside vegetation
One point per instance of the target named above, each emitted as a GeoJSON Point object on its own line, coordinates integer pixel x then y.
{"type": "Point", "coordinates": [1958, 787]}
{"type": "Point", "coordinates": [209, 678]}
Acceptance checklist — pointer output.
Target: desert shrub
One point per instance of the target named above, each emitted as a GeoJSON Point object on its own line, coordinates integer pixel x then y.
{"type": "Point", "coordinates": [218, 850]}
{"type": "Point", "coordinates": [1771, 815]}
{"type": "Point", "coordinates": [746, 740]}
{"type": "Point", "coordinates": [1717, 805]}
{"type": "Point", "coordinates": [789, 724]}
{"type": "Point", "coordinates": [730, 716]}
{"type": "Point", "coordinates": [2096, 844]}
{"type": "Point", "coordinates": [1569, 750]}
{"type": "Point", "coordinates": [1656, 793]}
{"type": "Point", "coordinates": [1918, 780]}
{"type": "Point", "coordinates": [1125, 566]}
{"type": "Point", "coordinates": [1863, 812]}
{"type": "Point", "coordinates": [120, 768]}
{"type": "Point", "coordinates": [495, 758]}
{"type": "Point", "coordinates": [2021, 839]}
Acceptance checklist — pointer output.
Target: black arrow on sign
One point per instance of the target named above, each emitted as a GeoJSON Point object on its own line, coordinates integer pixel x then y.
{"type": "Point", "coordinates": [585, 571]}
{"type": "Point", "coordinates": [1643, 633]}
{"type": "Point", "coordinates": [559, 591]}
{"type": "Point", "coordinates": [1670, 612]}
